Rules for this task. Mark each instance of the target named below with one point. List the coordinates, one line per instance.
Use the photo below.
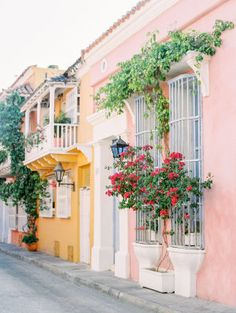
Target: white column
(27, 113)
(102, 251)
(51, 115)
(38, 112)
(122, 259)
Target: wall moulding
(189, 62)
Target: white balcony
(51, 139)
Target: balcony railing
(53, 138)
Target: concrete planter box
(158, 281)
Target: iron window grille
(186, 137)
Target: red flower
(162, 170)
(143, 189)
(130, 163)
(186, 216)
(173, 189)
(147, 148)
(127, 194)
(164, 213)
(155, 172)
(141, 157)
(173, 175)
(109, 193)
(189, 188)
(176, 155)
(174, 200)
(167, 161)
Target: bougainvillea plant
(158, 190)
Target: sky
(46, 32)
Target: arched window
(146, 134)
(185, 137)
(145, 129)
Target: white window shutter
(64, 199)
(48, 203)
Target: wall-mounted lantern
(118, 146)
(59, 174)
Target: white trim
(189, 62)
(43, 91)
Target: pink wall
(217, 277)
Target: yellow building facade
(57, 132)
(14, 219)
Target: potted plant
(30, 241)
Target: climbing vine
(144, 72)
(27, 187)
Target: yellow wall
(66, 231)
(38, 75)
(86, 109)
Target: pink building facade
(214, 273)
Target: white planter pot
(187, 263)
(162, 282)
(148, 255)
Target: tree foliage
(27, 187)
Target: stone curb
(116, 293)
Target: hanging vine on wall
(144, 72)
(27, 187)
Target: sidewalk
(123, 289)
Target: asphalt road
(25, 288)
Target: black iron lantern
(59, 173)
(118, 146)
